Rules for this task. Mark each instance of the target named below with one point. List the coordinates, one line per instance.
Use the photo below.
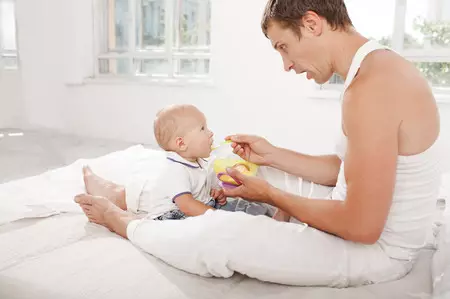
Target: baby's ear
(181, 145)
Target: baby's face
(199, 139)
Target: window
(157, 39)
(417, 29)
(8, 47)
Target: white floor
(27, 153)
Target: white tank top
(418, 179)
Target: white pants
(219, 243)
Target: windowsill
(9, 69)
(441, 98)
(167, 82)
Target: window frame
(9, 53)
(168, 52)
(413, 55)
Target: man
(382, 182)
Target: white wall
(55, 41)
(56, 46)
(10, 99)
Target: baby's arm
(191, 207)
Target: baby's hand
(219, 196)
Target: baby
(185, 185)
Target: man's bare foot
(102, 211)
(98, 186)
(95, 207)
(281, 215)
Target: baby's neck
(190, 159)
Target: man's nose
(287, 65)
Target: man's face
(305, 54)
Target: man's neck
(345, 45)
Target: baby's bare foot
(98, 186)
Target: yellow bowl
(220, 168)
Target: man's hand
(251, 148)
(219, 196)
(251, 188)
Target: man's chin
(320, 81)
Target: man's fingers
(239, 138)
(236, 175)
(234, 192)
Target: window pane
(118, 24)
(336, 79)
(8, 62)
(427, 24)
(156, 67)
(151, 24)
(194, 22)
(373, 19)
(437, 73)
(114, 66)
(7, 26)
(193, 67)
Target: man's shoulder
(384, 77)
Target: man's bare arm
(321, 170)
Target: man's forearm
(330, 216)
(318, 169)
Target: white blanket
(52, 192)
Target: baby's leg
(98, 186)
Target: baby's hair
(167, 124)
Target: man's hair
(289, 13)
(169, 124)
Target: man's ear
(181, 145)
(312, 23)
